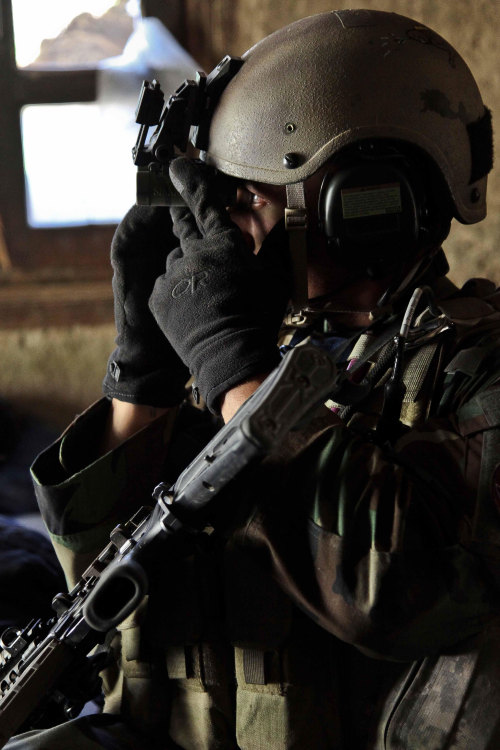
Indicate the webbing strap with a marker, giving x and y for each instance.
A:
(417, 399)
(416, 371)
(254, 666)
(176, 662)
(296, 226)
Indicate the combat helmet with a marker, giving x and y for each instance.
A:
(315, 92)
(317, 87)
(312, 88)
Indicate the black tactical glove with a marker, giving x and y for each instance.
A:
(143, 369)
(220, 305)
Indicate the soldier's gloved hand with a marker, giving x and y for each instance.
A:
(220, 305)
(143, 369)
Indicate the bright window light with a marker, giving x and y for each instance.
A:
(77, 157)
(78, 164)
(36, 20)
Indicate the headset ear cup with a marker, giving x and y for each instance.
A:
(376, 211)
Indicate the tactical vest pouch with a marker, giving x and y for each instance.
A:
(129, 661)
(131, 690)
(288, 697)
(283, 666)
(449, 700)
(187, 629)
(481, 415)
(202, 696)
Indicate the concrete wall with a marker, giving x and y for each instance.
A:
(57, 372)
(53, 373)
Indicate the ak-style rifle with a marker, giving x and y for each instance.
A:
(48, 666)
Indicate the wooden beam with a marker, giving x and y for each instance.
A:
(55, 86)
(80, 248)
(37, 305)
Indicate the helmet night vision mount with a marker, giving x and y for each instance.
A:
(183, 119)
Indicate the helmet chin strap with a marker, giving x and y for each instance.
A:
(296, 226)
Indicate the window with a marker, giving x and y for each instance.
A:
(75, 155)
(67, 176)
(28, 89)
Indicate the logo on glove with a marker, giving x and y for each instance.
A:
(189, 285)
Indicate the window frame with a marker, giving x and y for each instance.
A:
(54, 251)
(57, 275)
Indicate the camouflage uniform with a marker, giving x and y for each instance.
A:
(352, 604)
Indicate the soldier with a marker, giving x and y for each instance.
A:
(348, 595)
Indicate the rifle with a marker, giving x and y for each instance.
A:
(38, 663)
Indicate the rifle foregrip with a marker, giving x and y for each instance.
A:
(306, 377)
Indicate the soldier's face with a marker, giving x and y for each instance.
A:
(257, 208)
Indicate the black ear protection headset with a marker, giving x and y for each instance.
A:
(381, 203)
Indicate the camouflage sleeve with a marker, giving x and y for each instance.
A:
(396, 551)
(81, 498)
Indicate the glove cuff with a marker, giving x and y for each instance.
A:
(161, 387)
(257, 360)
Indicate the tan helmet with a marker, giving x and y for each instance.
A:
(327, 81)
